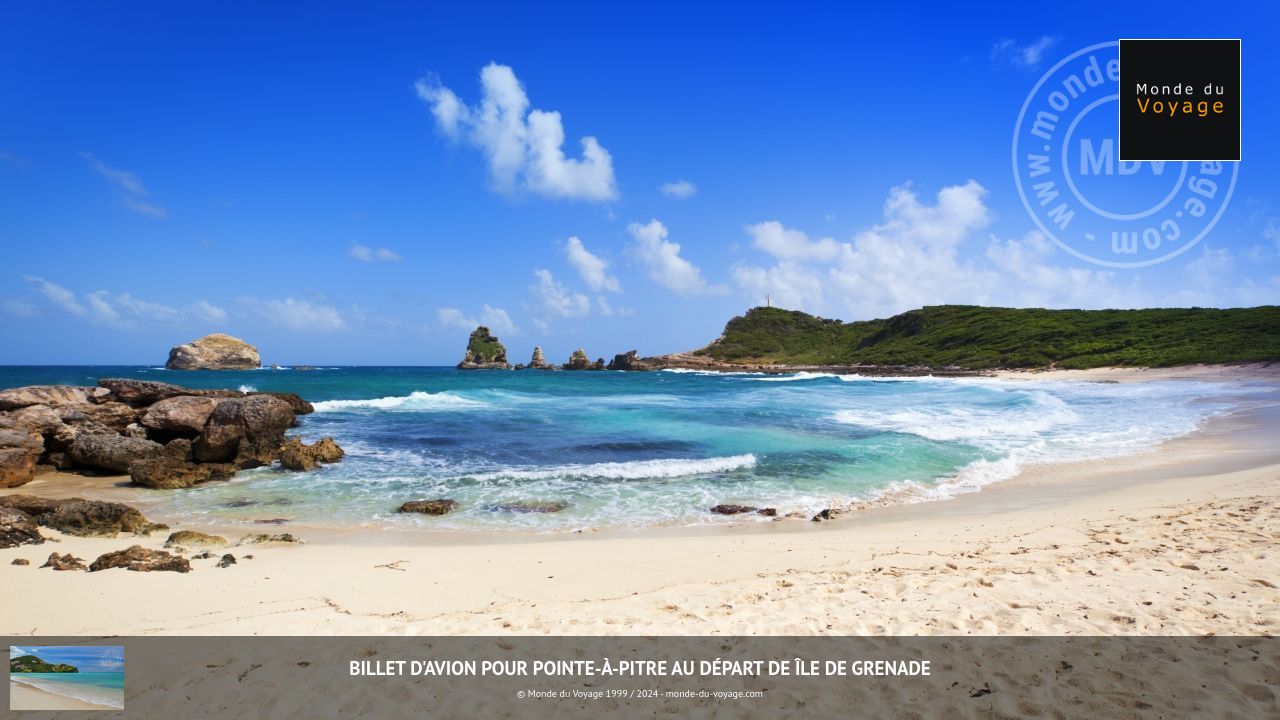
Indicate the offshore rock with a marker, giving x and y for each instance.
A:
(442, 506)
(629, 361)
(538, 361)
(484, 352)
(214, 352)
(578, 361)
(296, 455)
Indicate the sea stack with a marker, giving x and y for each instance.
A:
(484, 352)
(214, 352)
(578, 361)
(538, 362)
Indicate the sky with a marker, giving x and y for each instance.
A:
(86, 658)
(345, 184)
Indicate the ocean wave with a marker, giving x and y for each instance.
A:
(1047, 413)
(708, 373)
(632, 470)
(417, 401)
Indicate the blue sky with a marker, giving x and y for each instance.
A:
(86, 658)
(328, 184)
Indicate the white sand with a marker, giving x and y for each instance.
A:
(25, 697)
(1177, 541)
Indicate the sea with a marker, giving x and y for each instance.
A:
(102, 688)
(655, 449)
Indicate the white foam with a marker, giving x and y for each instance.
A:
(634, 470)
(417, 401)
(968, 423)
(248, 389)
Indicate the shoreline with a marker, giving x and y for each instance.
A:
(30, 697)
(1171, 541)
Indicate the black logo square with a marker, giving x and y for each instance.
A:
(1180, 100)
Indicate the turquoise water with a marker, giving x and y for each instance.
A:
(103, 688)
(659, 448)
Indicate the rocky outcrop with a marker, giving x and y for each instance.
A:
(64, 562)
(184, 415)
(30, 504)
(214, 352)
(140, 559)
(442, 506)
(141, 393)
(20, 448)
(300, 406)
(245, 431)
(296, 455)
(191, 538)
(538, 361)
(578, 361)
(54, 396)
(629, 361)
(96, 518)
(111, 452)
(17, 528)
(484, 352)
(165, 472)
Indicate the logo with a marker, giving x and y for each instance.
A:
(1107, 211)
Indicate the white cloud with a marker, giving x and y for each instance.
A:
(364, 253)
(300, 315)
(57, 294)
(662, 259)
(496, 319)
(20, 309)
(128, 186)
(524, 147)
(553, 299)
(606, 309)
(679, 189)
(591, 268)
(101, 307)
(1027, 56)
(207, 311)
(785, 244)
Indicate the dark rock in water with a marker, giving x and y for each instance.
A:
(272, 521)
(140, 393)
(484, 352)
(95, 518)
(629, 361)
(538, 362)
(140, 559)
(247, 431)
(227, 561)
(20, 561)
(828, 514)
(732, 509)
(529, 506)
(263, 539)
(111, 452)
(244, 502)
(598, 364)
(194, 539)
(295, 455)
(577, 361)
(441, 506)
(64, 562)
(185, 415)
(214, 352)
(167, 473)
(17, 528)
(768, 512)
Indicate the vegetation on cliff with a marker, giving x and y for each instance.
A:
(985, 337)
(33, 664)
(483, 348)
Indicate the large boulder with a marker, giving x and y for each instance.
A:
(54, 396)
(140, 559)
(484, 352)
(41, 418)
(96, 518)
(140, 393)
(20, 448)
(247, 431)
(214, 352)
(17, 528)
(300, 406)
(629, 360)
(442, 506)
(115, 415)
(296, 455)
(111, 452)
(184, 415)
(166, 472)
(30, 504)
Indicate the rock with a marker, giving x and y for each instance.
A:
(53, 396)
(629, 361)
(598, 364)
(194, 539)
(41, 418)
(441, 506)
(178, 449)
(203, 555)
(20, 561)
(263, 539)
(538, 362)
(140, 393)
(577, 361)
(95, 518)
(529, 506)
(484, 352)
(135, 430)
(140, 559)
(20, 449)
(64, 562)
(295, 455)
(114, 415)
(271, 521)
(167, 473)
(30, 504)
(768, 512)
(733, 509)
(17, 528)
(300, 406)
(214, 352)
(827, 514)
(60, 460)
(65, 435)
(111, 452)
(227, 561)
(185, 415)
(247, 431)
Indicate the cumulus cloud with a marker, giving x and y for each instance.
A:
(524, 147)
(552, 299)
(364, 253)
(128, 187)
(593, 270)
(1027, 56)
(122, 309)
(679, 189)
(661, 258)
(496, 319)
(786, 244)
(299, 315)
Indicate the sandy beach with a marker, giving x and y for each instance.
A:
(25, 697)
(1177, 540)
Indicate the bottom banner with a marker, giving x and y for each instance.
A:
(591, 677)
